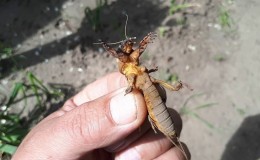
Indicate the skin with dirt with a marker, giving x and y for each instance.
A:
(138, 78)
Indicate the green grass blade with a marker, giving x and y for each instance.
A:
(224, 18)
(17, 88)
(7, 148)
(209, 125)
(37, 81)
(204, 106)
(188, 99)
(34, 87)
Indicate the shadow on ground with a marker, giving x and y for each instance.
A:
(28, 18)
(245, 143)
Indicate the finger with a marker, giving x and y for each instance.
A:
(173, 154)
(100, 87)
(122, 144)
(68, 106)
(94, 90)
(92, 125)
(149, 146)
(105, 120)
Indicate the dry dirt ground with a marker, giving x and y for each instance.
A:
(54, 40)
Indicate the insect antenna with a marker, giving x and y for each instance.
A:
(126, 23)
(130, 38)
(108, 43)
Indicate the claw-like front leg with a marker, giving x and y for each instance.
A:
(152, 124)
(143, 44)
(147, 39)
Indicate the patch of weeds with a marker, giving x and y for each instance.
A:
(185, 110)
(163, 30)
(6, 53)
(13, 127)
(93, 15)
(239, 110)
(181, 21)
(219, 58)
(173, 78)
(224, 18)
(174, 7)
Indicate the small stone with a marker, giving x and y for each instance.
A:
(64, 6)
(68, 33)
(76, 39)
(56, 9)
(80, 70)
(68, 51)
(47, 9)
(37, 53)
(100, 50)
(18, 46)
(187, 67)
(217, 26)
(191, 47)
(3, 108)
(4, 81)
(3, 121)
(41, 36)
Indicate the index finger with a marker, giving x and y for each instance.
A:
(100, 87)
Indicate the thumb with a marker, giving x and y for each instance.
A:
(103, 121)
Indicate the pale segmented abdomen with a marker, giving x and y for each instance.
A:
(157, 110)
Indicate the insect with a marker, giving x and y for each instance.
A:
(138, 78)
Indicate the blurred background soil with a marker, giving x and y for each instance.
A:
(212, 45)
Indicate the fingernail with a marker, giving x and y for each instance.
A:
(131, 154)
(123, 108)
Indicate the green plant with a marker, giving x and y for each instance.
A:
(219, 57)
(7, 61)
(224, 18)
(174, 7)
(93, 15)
(162, 31)
(172, 78)
(181, 21)
(13, 127)
(185, 110)
(5, 52)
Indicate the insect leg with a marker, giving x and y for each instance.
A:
(131, 80)
(152, 124)
(168, 86)
(110, 50)
(152, 70)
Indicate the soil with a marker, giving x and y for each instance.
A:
(54, 40)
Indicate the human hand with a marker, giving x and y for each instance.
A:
(97, 123)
